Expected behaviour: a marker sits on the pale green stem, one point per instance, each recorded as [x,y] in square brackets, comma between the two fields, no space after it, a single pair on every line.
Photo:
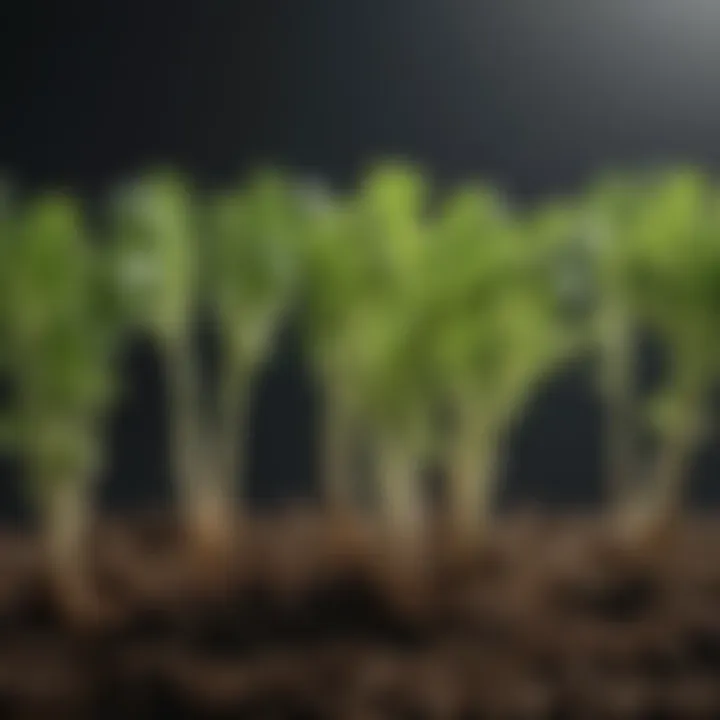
[232,432]
[472,477]
[66,512]
[673,462]
[187,449]
[337,448]
[402,503]
[62,498]
[619,435]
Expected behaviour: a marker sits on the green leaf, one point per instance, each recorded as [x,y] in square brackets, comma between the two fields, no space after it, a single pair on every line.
[251,263]
[155,248]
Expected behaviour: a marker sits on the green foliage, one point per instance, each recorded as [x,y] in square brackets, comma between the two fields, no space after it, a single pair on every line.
[364,259]
[59,340]
[249,263]
[661,265]
[408,310]
[496,325]
[156,253]
[388,347]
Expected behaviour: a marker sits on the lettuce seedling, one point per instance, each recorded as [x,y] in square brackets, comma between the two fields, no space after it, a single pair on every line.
[361,293]
[333,284]
[674,270]
[156,246]
[605,237]
[60,336]
[249,283]
[496,331]
[657,253]
[387,345]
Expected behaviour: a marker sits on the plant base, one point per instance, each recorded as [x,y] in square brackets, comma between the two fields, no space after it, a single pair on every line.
[320,620]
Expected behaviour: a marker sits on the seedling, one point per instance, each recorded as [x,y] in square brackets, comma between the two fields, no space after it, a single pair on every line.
[60,338]
[333,284]
[157,255]
[675,270]
[391,353]
[249,284]
[662,253]
[496,332]
[362,293]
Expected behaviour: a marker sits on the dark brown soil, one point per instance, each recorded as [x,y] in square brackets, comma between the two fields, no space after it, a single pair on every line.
[318,618]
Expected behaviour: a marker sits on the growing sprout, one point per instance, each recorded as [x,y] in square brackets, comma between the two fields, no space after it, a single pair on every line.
[249,285]
[60,337]
[333,285]
[674,271]
[361,293]
[606,237]
[497,332]
[658,272]
[388,356]
[156,248]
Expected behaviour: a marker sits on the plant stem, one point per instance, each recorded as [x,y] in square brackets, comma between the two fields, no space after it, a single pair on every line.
[618,364]
[673,461]
[401,500]
[232,431]
[223,456]
[337,455]
[473,471]
[66,511]
[188,451]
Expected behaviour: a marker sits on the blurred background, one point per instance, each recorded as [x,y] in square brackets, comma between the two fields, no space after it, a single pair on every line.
[538,96]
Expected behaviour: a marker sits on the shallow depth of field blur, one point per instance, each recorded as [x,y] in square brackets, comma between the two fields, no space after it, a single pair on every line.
[428,320]
[360,360]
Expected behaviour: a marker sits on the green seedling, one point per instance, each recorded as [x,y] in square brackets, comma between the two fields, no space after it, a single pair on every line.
[605,237]
[333,285]
[496,333]
[361,297]
[249,263]
[659,253]
[388,345]
[157,257]
[60,336]
[675,271]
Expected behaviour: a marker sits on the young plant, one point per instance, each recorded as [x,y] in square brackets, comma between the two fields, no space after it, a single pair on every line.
[675,273]
[387,343]
[658,260]
[60,337]
[249,284]
[157,254]
[334,283]
[497,331]
[361,271]
[606,236]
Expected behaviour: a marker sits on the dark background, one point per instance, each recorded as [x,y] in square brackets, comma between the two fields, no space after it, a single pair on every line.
[535,95]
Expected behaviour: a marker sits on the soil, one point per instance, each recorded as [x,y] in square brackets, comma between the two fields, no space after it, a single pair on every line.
[317,617]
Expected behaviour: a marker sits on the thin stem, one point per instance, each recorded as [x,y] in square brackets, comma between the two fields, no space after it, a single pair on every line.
[337,448]
[187,442]
[66,514]
[65,507]
[661,494]
[401,500]
[618,367]
[473,477]
[673,461]
[232,425]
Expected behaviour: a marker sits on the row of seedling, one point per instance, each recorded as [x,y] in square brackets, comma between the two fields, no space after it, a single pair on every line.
[429,319]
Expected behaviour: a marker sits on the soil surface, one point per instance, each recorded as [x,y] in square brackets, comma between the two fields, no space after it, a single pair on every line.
[311,617]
